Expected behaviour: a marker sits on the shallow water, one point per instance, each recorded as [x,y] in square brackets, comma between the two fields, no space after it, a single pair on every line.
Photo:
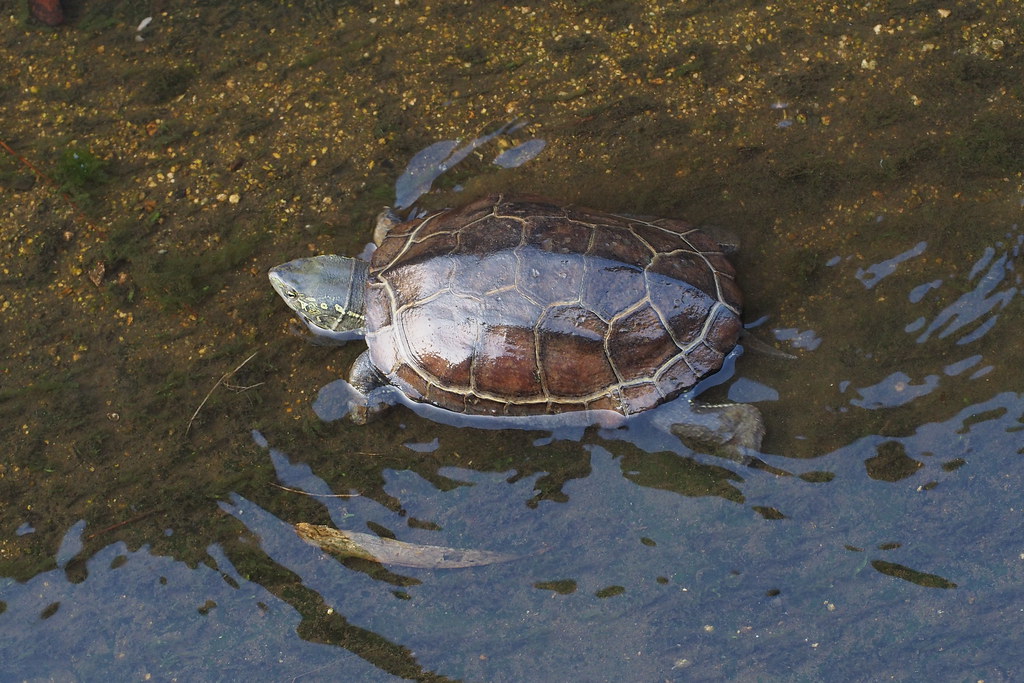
[877,535]
[902,553]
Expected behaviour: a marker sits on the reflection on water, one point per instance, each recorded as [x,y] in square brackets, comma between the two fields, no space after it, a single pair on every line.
[993,291]
[806,339]
[895,390]
[605,549]
[641,571]
[429,164]
[745,390]
[520,154]
[970,317]
[132,615]
[872,275]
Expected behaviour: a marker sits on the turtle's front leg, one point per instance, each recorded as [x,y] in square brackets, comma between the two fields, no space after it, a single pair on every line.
[374,395]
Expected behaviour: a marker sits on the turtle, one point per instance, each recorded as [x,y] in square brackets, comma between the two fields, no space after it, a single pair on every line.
[524,306]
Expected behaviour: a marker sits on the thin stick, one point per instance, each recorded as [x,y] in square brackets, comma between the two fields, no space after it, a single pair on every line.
[27,163]
[119,524]
[317,495]
[214,388]
[235,387]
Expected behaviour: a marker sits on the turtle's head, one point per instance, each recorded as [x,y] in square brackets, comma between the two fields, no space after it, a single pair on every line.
[325,291]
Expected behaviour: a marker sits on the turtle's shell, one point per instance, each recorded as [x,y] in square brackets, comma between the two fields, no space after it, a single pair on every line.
[524,306]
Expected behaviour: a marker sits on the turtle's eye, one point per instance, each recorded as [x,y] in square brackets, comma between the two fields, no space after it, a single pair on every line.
[291,294]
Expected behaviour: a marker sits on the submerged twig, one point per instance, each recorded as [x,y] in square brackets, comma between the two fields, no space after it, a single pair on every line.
[28,163]
[316,495]
[235,387]
[214,388]
[126,522]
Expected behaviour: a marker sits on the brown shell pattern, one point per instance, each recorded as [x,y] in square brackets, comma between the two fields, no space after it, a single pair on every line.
[520,307]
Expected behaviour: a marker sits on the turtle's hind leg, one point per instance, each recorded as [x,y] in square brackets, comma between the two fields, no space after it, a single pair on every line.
[732,430]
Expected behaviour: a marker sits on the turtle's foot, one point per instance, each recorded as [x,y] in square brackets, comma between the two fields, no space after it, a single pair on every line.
[367,408]
[372,396]
[733,430]
[358,411]
[340,399]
